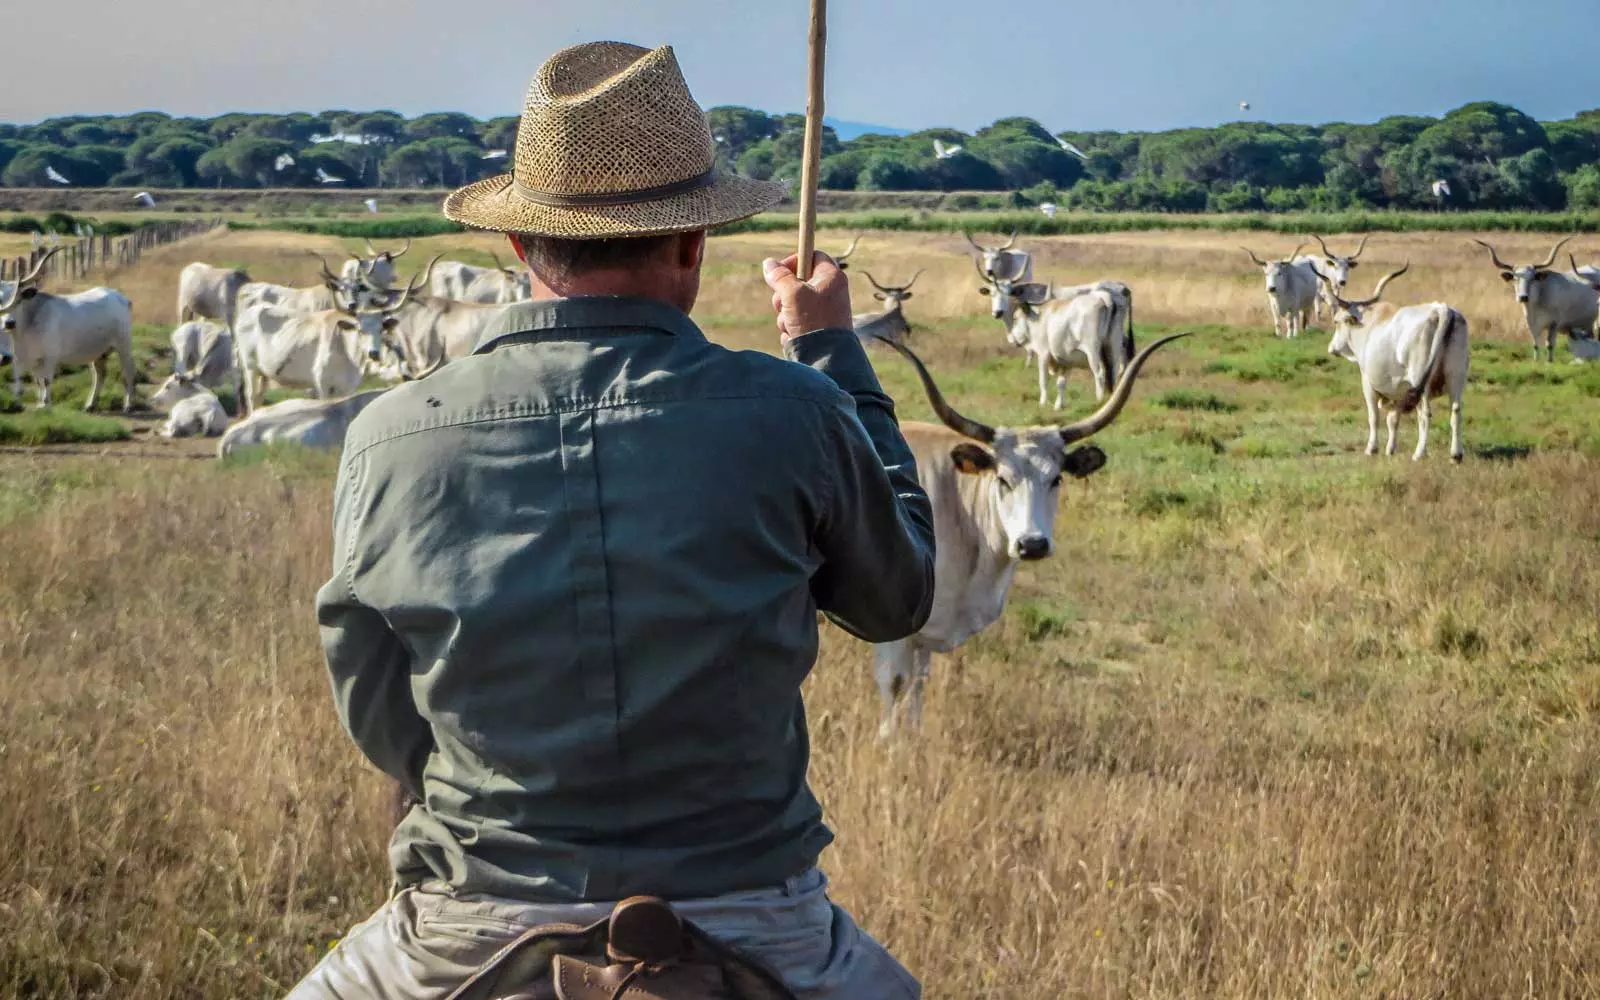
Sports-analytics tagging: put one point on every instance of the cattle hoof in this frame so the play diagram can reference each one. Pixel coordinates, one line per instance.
(1457, 458)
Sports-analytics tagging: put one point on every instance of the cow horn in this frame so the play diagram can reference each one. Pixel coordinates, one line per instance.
(907, 286)
(496, 258)
(328, 277)
(402, 252)
(1494, 255)
(985, 275)
(443, 360)
(1252, 253)
(1294, 253)
(846, 255)
(372, 251)
(1377, 293)
(975, 244)
(1362, 246)
(405, 296)
(38, 266)
(426, 277)
(1012, 241)
(1329, 283)
(875, 283)
(1323, 243)
(965, 426)
(1552, 258)
(1102, 418)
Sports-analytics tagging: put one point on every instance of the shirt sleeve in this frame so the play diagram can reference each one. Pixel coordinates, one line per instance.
(876, 529)
(368, 664)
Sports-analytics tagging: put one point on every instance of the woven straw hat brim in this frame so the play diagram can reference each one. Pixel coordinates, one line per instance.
(494, 204)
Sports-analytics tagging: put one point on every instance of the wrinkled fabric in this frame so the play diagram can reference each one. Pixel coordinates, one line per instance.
(575, 593)
(425, 942)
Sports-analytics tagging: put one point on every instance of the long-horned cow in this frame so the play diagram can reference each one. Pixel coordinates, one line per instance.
(1334, 268)
(376, 270)
(1004, 263)
(1552, 302)
(327, 294)
(1009, 264)
(1077, 332)
(1586, 347)
(1407, 356)
(498, 285)
(192, 409)
(1291, 291)
(435, 328)
(206, 292)
(890, 323)
(40, 332)
(994, 492)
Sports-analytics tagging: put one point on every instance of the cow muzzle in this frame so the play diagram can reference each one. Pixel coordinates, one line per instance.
(8, 324)
(1522, 297)
(374, 354)
(1033, 548)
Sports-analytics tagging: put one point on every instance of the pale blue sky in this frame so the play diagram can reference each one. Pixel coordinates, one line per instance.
(909, 63)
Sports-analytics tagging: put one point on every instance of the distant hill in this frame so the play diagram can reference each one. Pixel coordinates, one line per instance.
(854, 130)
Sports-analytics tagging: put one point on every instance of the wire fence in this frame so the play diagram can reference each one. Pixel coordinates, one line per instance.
(85, 255)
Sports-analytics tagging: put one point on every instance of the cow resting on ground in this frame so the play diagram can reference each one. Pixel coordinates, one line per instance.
(1407, 356)
(1077, 332)
(206, 292)
(994, 492)
(310, 423)
(40, 332)
(497, 285)
(192, 410)
(890, 324)
(1291, 291)
(1553, 302)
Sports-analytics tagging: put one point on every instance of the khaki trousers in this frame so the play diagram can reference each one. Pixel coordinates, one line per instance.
(425, 942)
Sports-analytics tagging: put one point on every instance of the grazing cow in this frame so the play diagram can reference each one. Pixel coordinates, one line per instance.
(889, 324)
(376, 270)
(320, 351)
(1077, 332)
(1291, 291)
(1553, 302)
(204, 351)
(1406, 356)
(1335, 269)
(310, 423)
(192, 410)
(994, 492)
(206, 292)
(39, 332)
(498, 285)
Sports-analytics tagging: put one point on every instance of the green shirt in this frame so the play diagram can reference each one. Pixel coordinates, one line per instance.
(575, 593)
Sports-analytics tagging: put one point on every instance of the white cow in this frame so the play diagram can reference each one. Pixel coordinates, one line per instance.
(1335, 268)
(498, 285)
(40, 332)
(204, 351)
(1291, 291)
(1552, 302)
(1002, 263)
(890, 323)
(376, 270)
(321, 351)
(435, 329)
(192, 410)
(1016, 266)
(206, 292)
(310, 423)
(994, 492)
(1077, 332)
(1407, 356)
(313, 298)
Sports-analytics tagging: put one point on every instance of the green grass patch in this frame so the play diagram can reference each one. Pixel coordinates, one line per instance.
(57, 425)
(288, 461)
(1044, 621)
(1193, 399)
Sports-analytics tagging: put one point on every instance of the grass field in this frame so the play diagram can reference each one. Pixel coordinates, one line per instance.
(1277, 719)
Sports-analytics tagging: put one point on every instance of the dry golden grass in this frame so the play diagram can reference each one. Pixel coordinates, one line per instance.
(1274, 722)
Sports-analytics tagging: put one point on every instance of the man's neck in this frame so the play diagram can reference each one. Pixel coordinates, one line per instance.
(631, 284)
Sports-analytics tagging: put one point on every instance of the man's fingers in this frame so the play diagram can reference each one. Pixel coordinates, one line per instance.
(779, 277)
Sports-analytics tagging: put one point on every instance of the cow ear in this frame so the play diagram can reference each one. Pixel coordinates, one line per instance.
(971, 459)
(345, 324)
(1506, 275)
(905, 295)
(983, 291)
(1081, 463)
(1540, 275)
(878, 296)
(390, 322)
(1354, 264)
(28, 293)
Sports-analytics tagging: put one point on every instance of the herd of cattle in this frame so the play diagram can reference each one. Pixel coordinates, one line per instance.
(994, 490)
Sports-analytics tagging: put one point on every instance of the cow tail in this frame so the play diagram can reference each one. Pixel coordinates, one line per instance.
(1441, 338)
(1127, 331)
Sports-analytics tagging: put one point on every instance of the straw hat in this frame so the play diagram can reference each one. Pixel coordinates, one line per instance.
(611, 144)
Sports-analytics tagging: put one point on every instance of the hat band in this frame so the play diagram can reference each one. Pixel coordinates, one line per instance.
(609, 199)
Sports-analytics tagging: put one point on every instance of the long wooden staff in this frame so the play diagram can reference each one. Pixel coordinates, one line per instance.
(812, 161)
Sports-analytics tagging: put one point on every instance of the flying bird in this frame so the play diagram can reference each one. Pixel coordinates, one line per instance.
(324, 177)
(37, 237)
(943, 152)
(55, 175)
(372, 205)
(77, 230)
(1049, 209)
(283, 162)
(495, 154)
(144, 198)
(1244, 105)
(1069, 147)
(1441, 189)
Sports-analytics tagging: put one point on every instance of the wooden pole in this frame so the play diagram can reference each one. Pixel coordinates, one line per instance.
(813, 152)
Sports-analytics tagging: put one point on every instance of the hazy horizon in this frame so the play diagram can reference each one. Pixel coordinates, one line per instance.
(900, 64)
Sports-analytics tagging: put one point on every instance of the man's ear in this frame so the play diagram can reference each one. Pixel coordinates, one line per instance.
(1081, 463)
(972, 459)
(516, 247)
(691, 250)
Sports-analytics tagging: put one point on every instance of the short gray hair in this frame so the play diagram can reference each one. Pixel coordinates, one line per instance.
(555, 258)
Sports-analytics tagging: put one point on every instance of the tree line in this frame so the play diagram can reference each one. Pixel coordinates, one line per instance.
(1490, 155)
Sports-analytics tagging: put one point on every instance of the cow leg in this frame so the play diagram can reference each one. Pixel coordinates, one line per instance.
(892, 669)
(1044, 379)
(125, 355)
(1061, 388)
(98, 366)
(1371, 397)
(46, 375)
(1424, 421)
(1456, 454)
(1392, 418)
(1097, 370)
(921, 659)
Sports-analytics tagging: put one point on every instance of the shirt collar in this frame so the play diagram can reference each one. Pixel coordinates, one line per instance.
(537, 320)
